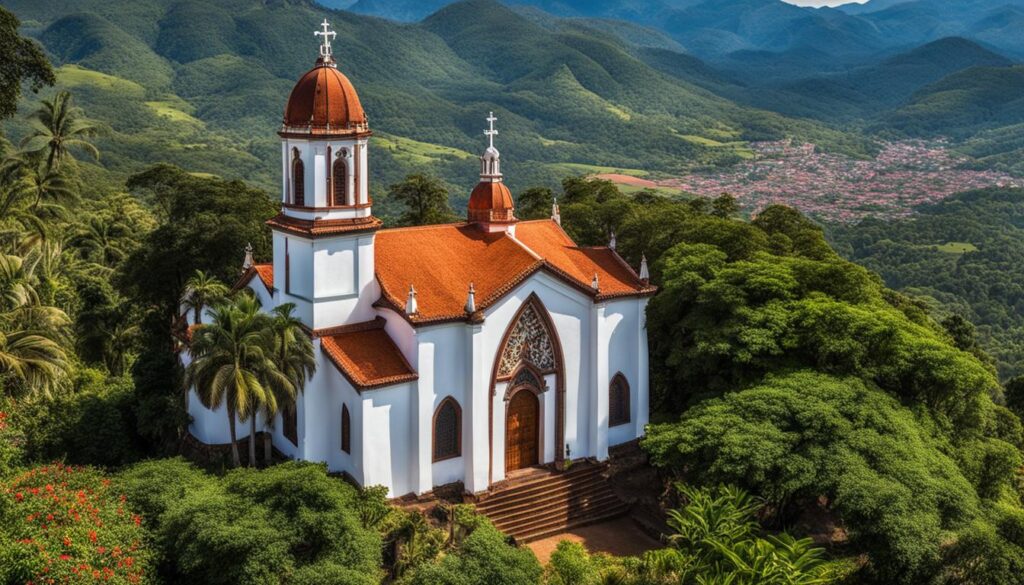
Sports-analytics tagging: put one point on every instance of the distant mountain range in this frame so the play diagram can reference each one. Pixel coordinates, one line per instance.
(628, 85)
(714, 29)
(203, 84)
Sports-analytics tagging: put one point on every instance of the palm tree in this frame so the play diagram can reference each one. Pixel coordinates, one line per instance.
(30, 352)
(293, 353)
(59, 127)
(233, 365)
(102, 239)
(203, 289)
(46, 183)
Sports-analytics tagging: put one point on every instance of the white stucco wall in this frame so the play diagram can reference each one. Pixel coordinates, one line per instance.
(392, 427)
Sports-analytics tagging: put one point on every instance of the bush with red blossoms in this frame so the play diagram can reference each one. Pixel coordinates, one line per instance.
(63, 524)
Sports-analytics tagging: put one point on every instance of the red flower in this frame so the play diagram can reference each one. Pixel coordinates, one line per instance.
(67, 541)
(65, 557)
(19, 496)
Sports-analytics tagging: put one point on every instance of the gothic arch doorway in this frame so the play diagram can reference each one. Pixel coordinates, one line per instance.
(522, 430)
(529, 351)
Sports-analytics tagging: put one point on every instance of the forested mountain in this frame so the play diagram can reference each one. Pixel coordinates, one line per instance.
(202, 85)
(863, 92)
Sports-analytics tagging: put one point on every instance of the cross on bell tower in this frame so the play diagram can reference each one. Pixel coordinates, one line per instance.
(328, 35)
(490, 162)
(491, 133)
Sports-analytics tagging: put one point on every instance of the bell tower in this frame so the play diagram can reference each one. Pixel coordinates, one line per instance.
(324, 234)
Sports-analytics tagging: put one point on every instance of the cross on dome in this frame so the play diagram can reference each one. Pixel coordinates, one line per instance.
(328, 35)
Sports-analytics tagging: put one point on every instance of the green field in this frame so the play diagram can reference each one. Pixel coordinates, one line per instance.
(585, 169)
(416, 152)
(957, 248)
(73, 76)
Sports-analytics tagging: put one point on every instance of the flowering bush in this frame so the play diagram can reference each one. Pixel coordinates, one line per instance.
(62, 524)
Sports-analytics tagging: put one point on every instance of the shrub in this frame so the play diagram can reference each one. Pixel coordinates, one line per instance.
(61, 524)
(485, 556)
(289, 523)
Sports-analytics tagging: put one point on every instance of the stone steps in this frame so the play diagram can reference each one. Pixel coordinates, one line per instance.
(543, 502)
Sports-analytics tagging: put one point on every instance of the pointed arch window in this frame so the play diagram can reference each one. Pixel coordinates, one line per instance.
(298, 179)
(346, 430)
(339, 193)
(618, 401)
(447, 430)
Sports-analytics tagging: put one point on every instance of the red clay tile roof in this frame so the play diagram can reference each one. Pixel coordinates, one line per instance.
(324, 102)
(264, 271)
(547, 239)
(366, 355)
(441, 261)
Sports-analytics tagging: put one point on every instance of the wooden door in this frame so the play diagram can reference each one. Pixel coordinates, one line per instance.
(522, 430)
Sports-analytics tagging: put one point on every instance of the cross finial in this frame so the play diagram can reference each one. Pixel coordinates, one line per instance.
(491, 133)
(328, 35)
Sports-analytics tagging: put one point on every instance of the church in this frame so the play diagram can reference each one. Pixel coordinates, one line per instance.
(446, 354)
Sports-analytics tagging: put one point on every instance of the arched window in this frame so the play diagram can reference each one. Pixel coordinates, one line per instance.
(298, 179)
(618, 401)
(346, 430)
(340, 192)
(447, 430)
(291, 424)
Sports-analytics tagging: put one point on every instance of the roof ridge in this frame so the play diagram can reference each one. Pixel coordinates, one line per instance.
(412, 228)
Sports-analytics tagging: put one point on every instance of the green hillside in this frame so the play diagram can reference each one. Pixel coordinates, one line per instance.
(964, 103)
(202, 85)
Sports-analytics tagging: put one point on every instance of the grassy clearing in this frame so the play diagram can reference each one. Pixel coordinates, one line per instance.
(73, 76)
(957, 248)
(416, 152)
(584, 169)
(172, 110)
(663, 191)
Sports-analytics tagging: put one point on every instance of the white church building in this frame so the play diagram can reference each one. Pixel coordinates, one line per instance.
(446, 353)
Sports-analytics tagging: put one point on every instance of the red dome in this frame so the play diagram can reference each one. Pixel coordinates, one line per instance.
(491, 202)
(324, 102)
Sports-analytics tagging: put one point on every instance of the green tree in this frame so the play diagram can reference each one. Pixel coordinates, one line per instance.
(21, 61)
(102, 239)
(232, 365)
(534, 203)
(201, 291)
(293, 354)
(801, 436)
(58, 129)
(31, 355)
(425, 199)
(725, 206)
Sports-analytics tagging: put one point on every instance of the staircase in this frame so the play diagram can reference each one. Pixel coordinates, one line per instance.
(542, 502)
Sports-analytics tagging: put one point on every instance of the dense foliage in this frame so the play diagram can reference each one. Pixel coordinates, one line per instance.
(962, 257)
(287, 524)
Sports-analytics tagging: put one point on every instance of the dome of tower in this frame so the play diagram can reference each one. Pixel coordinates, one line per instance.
(491, 201)
(324, 102)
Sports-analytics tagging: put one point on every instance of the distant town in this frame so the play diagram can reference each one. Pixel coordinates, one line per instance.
(842, 189)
